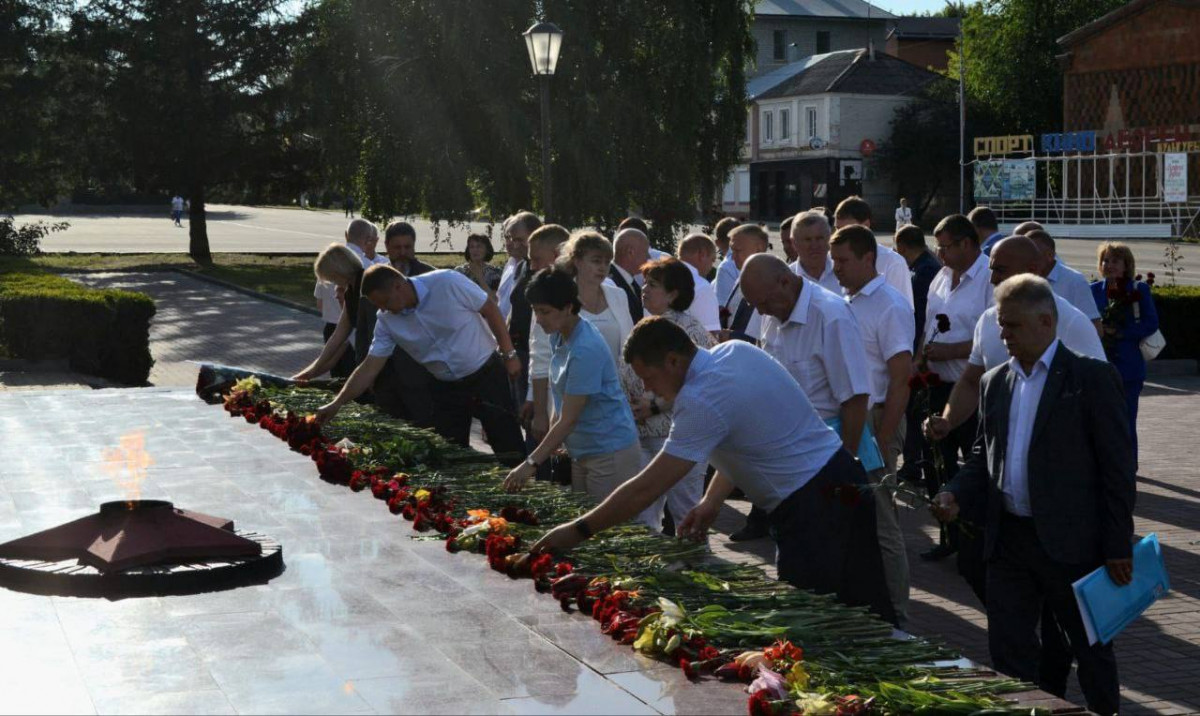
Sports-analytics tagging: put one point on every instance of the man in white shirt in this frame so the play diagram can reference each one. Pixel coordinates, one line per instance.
(362, 237)
(738, 409)
(739, 320)
(727, 270)
(886, 326)
(959, 294)
(516, 242)
(1066, 281)
(446, 323)
(810, 236)
(698, 252)
(891, 265)
(903, 214)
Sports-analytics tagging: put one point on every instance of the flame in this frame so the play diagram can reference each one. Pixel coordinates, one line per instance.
(127, 464)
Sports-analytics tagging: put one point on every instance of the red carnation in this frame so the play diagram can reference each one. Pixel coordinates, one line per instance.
(421, 522)
(943, 322)
(728, 671)
(395, 506)
(760, 704)
(452, 545)
(563, 568)
(917, 381)
(688, 670)
(708, 652)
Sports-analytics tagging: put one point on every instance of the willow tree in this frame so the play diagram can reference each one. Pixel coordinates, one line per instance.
(431, 105)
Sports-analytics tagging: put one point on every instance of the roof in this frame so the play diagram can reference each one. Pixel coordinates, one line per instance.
(853, 9)
(1105, 21)
(845, 71)
(924, 28)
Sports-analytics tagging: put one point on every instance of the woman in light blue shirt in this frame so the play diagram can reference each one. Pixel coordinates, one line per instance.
(594, 419)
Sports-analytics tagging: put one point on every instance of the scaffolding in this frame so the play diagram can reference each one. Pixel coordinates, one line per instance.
(1118, 194)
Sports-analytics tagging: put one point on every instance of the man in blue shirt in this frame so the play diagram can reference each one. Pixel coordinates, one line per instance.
(738, 409)
(984, 221)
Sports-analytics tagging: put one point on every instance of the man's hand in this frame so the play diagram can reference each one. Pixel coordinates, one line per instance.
(326, 412)
(303, 376)
(945, 507)
(936, 352)
(936, 427)
(559, 539)
(696, 523)
(513, 366)
(526, 414)
(641, 410)
(1120, 571)
(518, 476)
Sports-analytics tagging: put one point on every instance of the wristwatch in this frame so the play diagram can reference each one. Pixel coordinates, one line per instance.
(508, 355)
(582, 528)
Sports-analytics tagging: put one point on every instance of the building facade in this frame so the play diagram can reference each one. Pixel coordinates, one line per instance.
(923, 41)
(788, 30)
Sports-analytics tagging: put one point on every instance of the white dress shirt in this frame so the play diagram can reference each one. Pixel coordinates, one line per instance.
(727, 278)
(1073, 286)
(362, 256)
(740, 411)
(895, 271)
(444, 332)
(704, 301)
(887, 327)
(820, 347)
(1074, 330)
(1026, 394)
(826, 280)
(903, 216)
(540, 353)
(963, 305)
(326, 292)
(508, 280)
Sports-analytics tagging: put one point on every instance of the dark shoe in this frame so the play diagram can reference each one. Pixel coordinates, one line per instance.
(939, 552)
(752, 530)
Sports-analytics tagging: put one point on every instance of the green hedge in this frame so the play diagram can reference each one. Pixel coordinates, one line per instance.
(101, 332)
(1179, 320)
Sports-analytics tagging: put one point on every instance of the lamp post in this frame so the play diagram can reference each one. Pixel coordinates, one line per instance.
(543, 41)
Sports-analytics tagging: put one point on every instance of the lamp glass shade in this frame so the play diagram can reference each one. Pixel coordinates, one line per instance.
(543, 40)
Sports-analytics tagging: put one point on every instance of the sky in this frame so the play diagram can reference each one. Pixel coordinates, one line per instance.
(909, 7)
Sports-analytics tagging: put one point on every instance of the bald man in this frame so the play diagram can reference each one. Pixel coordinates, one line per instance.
(631, 249)
(1064, 280)
(1025, 227)
(362, 237)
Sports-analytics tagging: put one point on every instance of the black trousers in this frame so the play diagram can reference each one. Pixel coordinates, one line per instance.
(1021, 580)
(487, 395)
(825, 532)
(346, 364)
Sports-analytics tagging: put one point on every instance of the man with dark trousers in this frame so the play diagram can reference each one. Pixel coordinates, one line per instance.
(1053, 470)
(923, 266)
(631, 249)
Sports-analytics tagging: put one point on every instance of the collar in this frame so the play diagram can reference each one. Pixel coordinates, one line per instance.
(421, 290)
(994, 237)
(700, 363)
(624, 274)
(815, 279)
(980, 263)
(869, 288)
(357, 251)
(799, 313)
(1045, 361)
(1055, 272)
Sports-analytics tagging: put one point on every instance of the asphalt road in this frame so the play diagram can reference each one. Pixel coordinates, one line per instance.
(281, 230)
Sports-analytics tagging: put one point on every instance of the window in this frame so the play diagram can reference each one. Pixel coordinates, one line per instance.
(780, 45)
(785, 124)
(822, 42)
(810, 122)
(768, 126)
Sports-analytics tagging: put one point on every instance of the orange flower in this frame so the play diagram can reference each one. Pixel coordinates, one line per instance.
(478, 515)
(497, 525)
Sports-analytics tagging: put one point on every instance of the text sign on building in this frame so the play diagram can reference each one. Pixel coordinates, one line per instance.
(1012, 144)
(1175, 178)
(1068, 142)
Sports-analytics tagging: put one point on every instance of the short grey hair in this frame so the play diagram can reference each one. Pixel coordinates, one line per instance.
(812, 218)
(1031, 293)
(359, 230)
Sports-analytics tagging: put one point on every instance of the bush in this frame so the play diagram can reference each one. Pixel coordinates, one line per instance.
(101, 332)
(24, 240)
(1179, 320)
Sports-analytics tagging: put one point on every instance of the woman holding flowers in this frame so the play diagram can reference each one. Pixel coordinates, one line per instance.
(1127, 316)
(593, 416)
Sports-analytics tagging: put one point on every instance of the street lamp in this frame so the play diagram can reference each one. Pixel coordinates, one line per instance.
(543, 41)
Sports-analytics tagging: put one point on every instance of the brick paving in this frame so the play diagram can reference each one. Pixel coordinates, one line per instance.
(1159, 654)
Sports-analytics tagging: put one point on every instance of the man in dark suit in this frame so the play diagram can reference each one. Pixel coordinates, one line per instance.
(631, 249)
(1052, 468)
(400, 242)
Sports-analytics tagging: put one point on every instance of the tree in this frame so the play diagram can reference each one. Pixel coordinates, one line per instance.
(1011, 65)
(188, 85)
(433, 103)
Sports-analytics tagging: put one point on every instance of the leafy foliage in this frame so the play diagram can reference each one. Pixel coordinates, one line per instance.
(24, 240)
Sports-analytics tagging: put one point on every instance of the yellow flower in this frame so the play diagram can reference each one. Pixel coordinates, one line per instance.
(814, 704)
(797, 677)
(422, 495)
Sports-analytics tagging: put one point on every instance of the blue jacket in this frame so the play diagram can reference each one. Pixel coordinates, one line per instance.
(1123, 350)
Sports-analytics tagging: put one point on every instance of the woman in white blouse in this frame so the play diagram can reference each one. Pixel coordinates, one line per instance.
(669, 290)
(588, 256)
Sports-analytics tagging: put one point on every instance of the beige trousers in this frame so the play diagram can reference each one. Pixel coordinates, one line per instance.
(599, 475)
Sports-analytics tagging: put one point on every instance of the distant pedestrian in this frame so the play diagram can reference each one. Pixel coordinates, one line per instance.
(348, 205)
(177, 210)
(903, 214)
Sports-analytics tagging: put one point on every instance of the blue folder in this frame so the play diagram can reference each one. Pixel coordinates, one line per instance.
(1107, 608)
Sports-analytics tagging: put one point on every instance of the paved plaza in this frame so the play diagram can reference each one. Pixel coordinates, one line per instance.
(279, 230)
(361, 604)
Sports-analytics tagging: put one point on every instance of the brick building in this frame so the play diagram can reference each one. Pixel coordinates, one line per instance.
(923, 41)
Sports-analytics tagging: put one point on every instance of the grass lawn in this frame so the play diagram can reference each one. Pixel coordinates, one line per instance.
(287, 276)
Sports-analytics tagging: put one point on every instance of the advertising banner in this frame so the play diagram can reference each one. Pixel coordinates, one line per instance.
(1175, 187)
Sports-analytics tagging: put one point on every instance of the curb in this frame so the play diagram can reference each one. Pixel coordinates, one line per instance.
(1172, 367)
(248, 291)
